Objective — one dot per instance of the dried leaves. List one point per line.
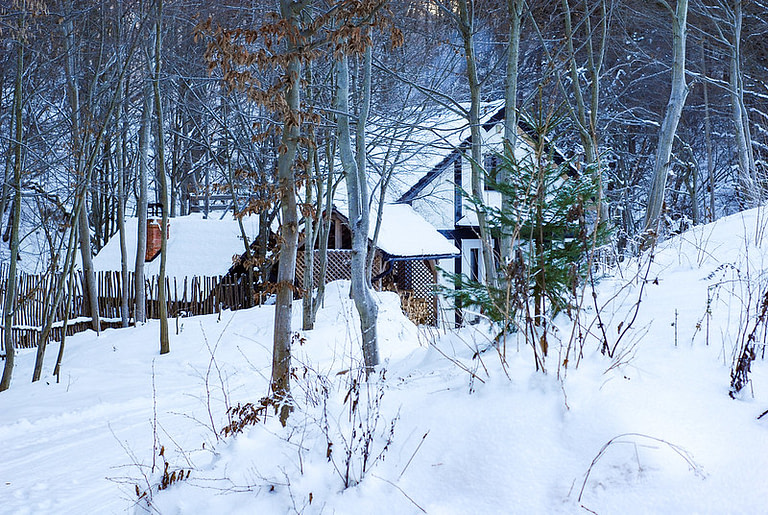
(257, 61)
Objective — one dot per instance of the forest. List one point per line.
(644, 120)
(107, 106)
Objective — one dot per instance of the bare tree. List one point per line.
(83, 155)
(10, 293)
(462, 13)
(140, 312)
(671, 118)
(353, 165)
(160, 171)
(515, 13)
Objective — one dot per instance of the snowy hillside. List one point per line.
(448, 428)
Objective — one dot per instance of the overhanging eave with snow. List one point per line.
(405, 235)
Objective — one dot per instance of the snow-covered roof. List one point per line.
(414, 144)
(196, 246)
(404, 233)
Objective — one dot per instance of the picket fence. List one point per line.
(199, 295)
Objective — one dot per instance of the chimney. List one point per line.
(154, 236)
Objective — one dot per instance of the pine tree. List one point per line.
(552, 226)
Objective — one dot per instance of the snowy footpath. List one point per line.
(449, 428)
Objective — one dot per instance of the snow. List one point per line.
(405, 233)
(471, 433)
(413, 144)
(196, 246)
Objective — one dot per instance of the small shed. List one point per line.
(407, 251)
(199, 253)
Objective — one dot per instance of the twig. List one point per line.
(419, 447)
(401, 491)
(678, 450)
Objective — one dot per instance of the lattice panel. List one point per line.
(338, 267)
(415, 282)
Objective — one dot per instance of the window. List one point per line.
(491, 164)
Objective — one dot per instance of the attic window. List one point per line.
(491, 164)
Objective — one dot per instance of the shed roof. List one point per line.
(406, 234)
(196, 246)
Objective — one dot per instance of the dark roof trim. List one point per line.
(409, 196)
(389, 257)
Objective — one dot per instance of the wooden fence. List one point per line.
(185, 297)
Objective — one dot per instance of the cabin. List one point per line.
(200, 252)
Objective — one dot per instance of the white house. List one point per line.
(432, 168)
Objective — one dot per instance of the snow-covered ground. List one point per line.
(651, 430)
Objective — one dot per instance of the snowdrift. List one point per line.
(445, 428)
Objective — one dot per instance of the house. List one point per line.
(432, 169)
(426, 224)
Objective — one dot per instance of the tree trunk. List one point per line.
(121, 169)
(514, 8)
(357, 200)
(5, 191)
(586, 120)
(708, 135)
(324, 228)
(308, 294)
(312, 222)
(582, 123)
(740, 116)
(53, 308)
(160, 164)
(140, 313)
(289, 228)
(90, 288)
(67, 307)
(9, 307)
(466, 22)
(668, 129)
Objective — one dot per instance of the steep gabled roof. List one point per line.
(524, 129)
(413, 143)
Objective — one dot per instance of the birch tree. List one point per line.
(584, 111)
(515, 12)
(160, 170)
(83, 157)
(668, 129)
(140, 310)
(728, 20)
(463, 16)
(121, 126)
(353, 165)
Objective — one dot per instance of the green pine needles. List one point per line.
(548, 226)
